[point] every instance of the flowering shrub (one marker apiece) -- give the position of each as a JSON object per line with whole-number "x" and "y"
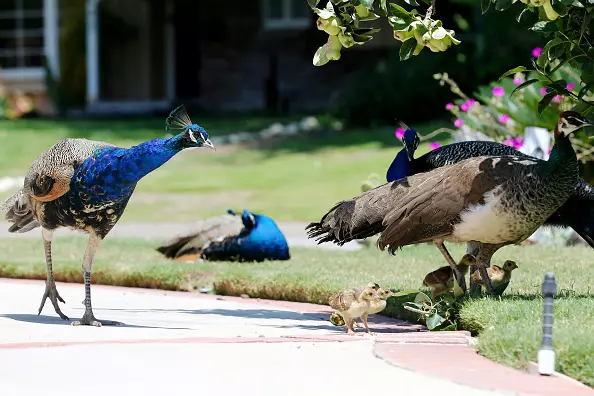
{"x": 568, "y": 25}
{"x": 501, "y": 111}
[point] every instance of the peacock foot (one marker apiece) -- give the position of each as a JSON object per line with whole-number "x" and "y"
{"x": 89, "y": 319}
{"x": 52, "y": 292}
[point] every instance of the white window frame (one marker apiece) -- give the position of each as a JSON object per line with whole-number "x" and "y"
{"x": 25, "y": 72}
{"x": 287, "y": 21}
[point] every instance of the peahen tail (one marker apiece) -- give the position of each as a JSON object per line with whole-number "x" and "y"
{"x": 18, "y": 210}
{"x": 357, "y": 218}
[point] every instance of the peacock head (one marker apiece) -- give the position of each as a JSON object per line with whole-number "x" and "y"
{"x": 571, "y": 121}
{"x": 411, "y": 141}
{"x": 195, "y": 136}
{"x": 248, "y": 219}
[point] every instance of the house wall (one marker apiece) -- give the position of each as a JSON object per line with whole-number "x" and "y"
{"x": 238, "y": 66}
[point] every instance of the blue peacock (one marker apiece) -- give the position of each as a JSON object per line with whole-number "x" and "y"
{"x": 85, "y": 185}
{"x": 230, "y": 237}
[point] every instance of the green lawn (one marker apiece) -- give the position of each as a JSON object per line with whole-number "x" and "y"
{"x": 291, "y": 179}
{"x": 509, "y": 330}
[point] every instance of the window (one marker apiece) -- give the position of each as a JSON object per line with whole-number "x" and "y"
{"x": 21, "y": 34}
{"x": 286, "y": 14}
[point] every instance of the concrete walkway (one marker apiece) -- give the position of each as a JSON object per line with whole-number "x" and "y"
{"x": 172, "y": 342}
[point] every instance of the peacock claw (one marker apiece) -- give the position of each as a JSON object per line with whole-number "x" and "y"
{"x": 52, "y": 292}
{"x": 90, "y": 320}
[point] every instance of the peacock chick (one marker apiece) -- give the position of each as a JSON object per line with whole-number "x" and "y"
{"x": 352, "y": 303}
{"x": 497, "y": 274}
{"x": 442, "y": 279}
{"x": 376, "y": 304}
{"x": 85, "y": 185}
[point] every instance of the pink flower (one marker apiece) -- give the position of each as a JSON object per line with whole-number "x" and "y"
{"x": 434, "y": 145}
{"x": 536, "y": 52}
{"x": 399, "y": 133}
{"x": 498, "y": 91}
{"x": 464, "y": 106}
{"x": 508, "y": 142}
{"x": 543, "y": 91}
{"x": 557, "y": 98}
{"x": 518, "y": 142}
{"x": 471, "y": 101}
{"x": 518, "y": 81}
{"x": 449, "y": 106}
{"x": 570, "y": 86}
{"x": 503, "y": 118}
{"x": 459, "y": 122}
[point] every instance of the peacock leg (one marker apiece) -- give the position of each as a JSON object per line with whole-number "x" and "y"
{"x": 452, "y": 263}
{"x": 473, "y": 248}
{"x": 88, "y": 318}
{"x": 50, "y": 284}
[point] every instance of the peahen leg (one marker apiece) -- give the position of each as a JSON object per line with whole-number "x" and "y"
{"x": 483, "y": 260}
{"x": 50, "y": 284}
{"x": 88, "y": 318}
{"x": 452, "y": 263}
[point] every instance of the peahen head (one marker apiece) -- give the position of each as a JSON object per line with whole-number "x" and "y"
{"x": 190, "y": 134}
{"x": 569, "y": 122}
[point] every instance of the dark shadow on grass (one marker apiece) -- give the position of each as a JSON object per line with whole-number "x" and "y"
{"x": 537, "y": 296}
{"x": 55, "y": 320}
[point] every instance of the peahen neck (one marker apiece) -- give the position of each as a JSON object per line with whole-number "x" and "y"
{"x": 399, "y": 168}
{"x": 563, "y": 161}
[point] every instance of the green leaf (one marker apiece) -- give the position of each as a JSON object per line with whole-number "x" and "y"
{"x": 485, "y": 4}
{"x": 450, "y": 327}
{"x": 368, "y": 4}
{"x": 313, "y": 3}
{"x": 544, "y": 55}
{"x": 519, "y": 17}
{"x": 515, "y": 70}
{"x": 544, "y": 102}
{"x": 559, "y": 8}
{"x": 545, "y": 26}
{"x": 526, "y": 84}
{"x": 320, "y": 57}
{"x": 584, "y": 90}
{"x": 407, "y": 49}
{"x": 501, "y": 5}
{"x": 422, "y": 298}
{"x": 434, "y": 320}
{"x": 398, "y": 11}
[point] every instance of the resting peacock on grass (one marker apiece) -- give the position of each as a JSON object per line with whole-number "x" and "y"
{"x": 85, "y": 185}
{"x": 489, "y": 201}
{"x": 230, "y": 237}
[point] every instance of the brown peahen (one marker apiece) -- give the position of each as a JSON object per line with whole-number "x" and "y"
{"x": 85, "y": 185}
{"x": 489, "y": 201}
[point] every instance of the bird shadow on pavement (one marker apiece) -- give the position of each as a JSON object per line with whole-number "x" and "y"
{"x": 55, "y": 320}
{"x": 378, "y": 324}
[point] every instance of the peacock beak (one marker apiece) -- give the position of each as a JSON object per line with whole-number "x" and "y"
{"x": 208, "y": 143}
{"x": 410, "y": 151}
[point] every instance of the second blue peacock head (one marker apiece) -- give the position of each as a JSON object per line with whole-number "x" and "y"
{"x": 189, "y": 134}
{"x": 411, "y": 141}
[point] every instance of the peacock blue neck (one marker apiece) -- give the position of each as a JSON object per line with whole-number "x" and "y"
{"x": 563, "y": 163}
{"x": 399, "y": 168}
{"x": 116, "y": 170}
